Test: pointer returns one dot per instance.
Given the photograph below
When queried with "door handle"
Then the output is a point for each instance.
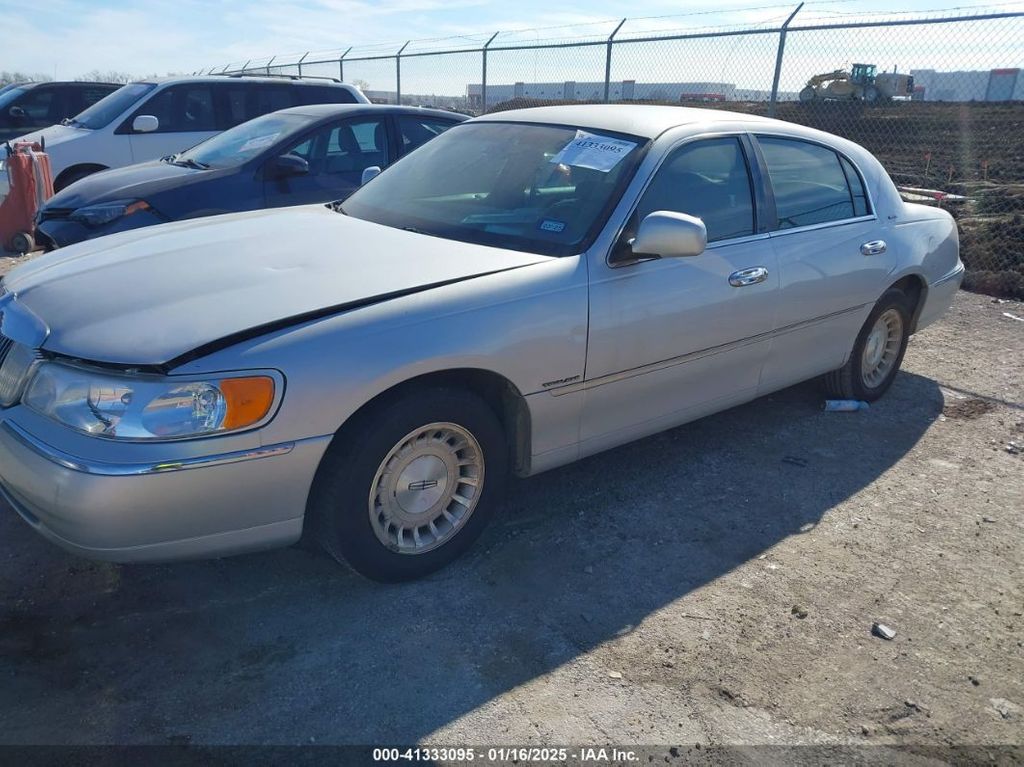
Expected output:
(751, 276)
(873, 248)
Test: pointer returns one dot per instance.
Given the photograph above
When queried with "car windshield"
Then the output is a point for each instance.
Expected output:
(100, 114)
(536, 188)
(240, 144)
(9, 95)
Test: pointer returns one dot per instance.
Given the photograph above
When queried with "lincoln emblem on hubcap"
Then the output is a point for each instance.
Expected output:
(426, 488)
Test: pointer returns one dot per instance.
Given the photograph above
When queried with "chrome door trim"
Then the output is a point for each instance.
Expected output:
(102, 469)
(823, 225)
(558, 391)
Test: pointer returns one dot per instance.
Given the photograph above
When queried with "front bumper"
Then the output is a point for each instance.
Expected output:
(202, 506)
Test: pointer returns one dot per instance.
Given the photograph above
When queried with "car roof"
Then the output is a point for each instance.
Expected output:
(645, 120)
(245, 79)
(76, 82)
(330, 110)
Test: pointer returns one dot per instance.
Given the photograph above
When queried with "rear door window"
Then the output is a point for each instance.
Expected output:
(810, 183)
(270, 98)
(419, 130)
(235, 105)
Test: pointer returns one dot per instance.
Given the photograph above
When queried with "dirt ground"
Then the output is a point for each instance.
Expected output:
(716, 584)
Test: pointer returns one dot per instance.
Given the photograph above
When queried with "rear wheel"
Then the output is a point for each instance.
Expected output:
(877, 352)
(408, 486)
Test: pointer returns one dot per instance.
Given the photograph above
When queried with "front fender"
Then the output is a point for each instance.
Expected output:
(527, 325)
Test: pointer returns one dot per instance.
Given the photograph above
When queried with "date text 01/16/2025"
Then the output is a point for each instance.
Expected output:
(500, 754)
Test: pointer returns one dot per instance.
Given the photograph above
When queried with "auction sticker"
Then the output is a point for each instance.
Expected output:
(590, 150)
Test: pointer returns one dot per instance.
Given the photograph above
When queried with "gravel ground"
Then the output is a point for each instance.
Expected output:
(715, 584)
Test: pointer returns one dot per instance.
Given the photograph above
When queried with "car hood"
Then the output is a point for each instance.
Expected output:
(55, 135)
(153, 295)
(129, 183)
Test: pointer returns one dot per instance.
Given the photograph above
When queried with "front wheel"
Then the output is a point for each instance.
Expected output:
(877, 352)
(408, 486)
(22, 242)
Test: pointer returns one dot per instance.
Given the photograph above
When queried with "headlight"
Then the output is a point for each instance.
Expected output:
(148, 407)
(104, 213)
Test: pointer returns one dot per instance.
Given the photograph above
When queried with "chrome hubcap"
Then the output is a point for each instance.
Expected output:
(881, 348)
(426, 488)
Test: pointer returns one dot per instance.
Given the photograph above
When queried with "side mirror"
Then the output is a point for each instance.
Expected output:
(145, 124)
(17, 113)
(287, 165)
(369, 174)
(669, 234)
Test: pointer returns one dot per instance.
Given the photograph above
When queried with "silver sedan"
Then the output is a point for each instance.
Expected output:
(527, 289)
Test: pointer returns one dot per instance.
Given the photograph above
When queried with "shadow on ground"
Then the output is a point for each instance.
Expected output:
(285, 646)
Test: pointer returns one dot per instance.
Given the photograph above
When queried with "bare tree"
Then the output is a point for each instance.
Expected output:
(111, 76)
(21, 77)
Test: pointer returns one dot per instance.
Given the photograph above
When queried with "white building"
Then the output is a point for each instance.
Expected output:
(985, 85)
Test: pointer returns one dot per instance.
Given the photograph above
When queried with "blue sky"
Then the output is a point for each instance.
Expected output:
(65, 38)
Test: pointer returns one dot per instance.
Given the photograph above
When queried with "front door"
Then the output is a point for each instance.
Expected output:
(672, 339)
(186, 115)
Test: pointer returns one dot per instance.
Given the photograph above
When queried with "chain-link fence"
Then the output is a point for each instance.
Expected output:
(938, 98)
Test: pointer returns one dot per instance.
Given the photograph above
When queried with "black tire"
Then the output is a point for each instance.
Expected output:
(848, 381)
(68, 177)
(22, 242)
(338, 511)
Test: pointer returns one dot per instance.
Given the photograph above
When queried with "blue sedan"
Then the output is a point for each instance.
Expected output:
(290, 157)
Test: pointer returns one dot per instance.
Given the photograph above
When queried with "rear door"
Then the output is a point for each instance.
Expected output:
(337, 154)
(187, 115)
(832, 257)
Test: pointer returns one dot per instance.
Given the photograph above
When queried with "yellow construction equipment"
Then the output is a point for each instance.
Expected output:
(859, 84)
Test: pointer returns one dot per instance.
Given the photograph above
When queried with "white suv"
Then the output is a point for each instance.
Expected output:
(154, 118)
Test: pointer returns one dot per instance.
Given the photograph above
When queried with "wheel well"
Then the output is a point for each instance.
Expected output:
(62, 179)
(498, 392)
(915, 289)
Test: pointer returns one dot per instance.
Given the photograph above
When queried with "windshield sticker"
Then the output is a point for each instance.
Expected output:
(259, 142)
(551, 225)
(589, 150)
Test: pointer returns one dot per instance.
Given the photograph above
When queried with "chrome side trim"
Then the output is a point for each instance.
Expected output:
(776, 233)
(101, 469)
(699, 354)
(958, 270)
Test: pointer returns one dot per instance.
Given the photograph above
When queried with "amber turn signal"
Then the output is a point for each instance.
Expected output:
(248, 400)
